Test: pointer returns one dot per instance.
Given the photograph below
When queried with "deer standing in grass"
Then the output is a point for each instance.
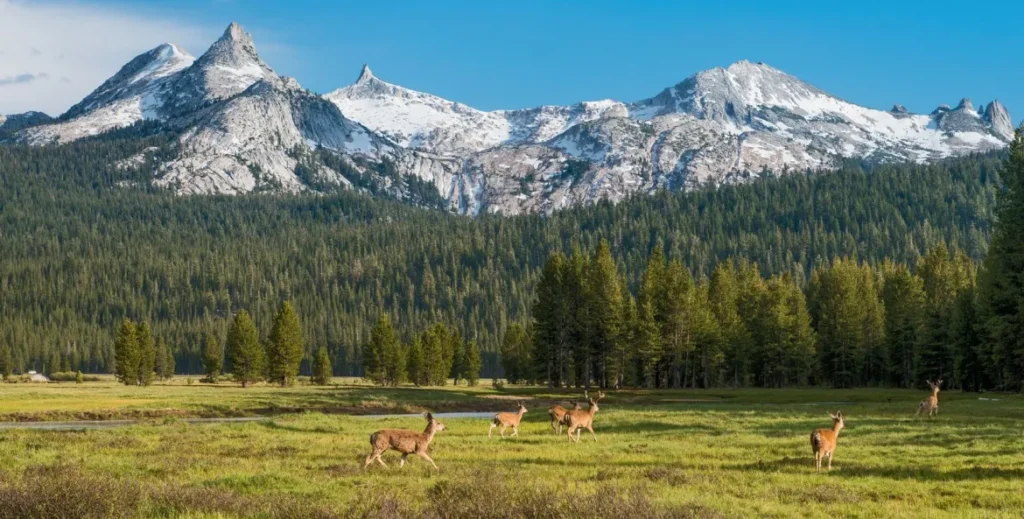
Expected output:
(406, 442)
(506, 420)
(930, 405)
(823, 441)
(577, 420)
(557, 414)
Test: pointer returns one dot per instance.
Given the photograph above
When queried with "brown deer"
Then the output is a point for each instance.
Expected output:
(930, 405)
(406, 442)
(823, 441)
(557, 414)
(578, 419)
(506, 420)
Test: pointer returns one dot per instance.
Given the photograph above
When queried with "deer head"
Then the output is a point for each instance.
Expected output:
(935, 386)
(837, 420)
(432, 424)
(522, 407)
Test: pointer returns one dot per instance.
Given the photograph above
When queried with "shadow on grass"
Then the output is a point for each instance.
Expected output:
(851, 469)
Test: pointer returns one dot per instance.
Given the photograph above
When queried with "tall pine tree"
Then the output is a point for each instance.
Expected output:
(244, 350)
(126, 354)
(285, 348)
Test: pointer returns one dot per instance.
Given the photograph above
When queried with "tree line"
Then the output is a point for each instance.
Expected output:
(850, 324)
(429, 359)
(87, 243)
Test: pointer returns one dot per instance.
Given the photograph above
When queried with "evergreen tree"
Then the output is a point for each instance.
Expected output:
(53, 365)
(6, 362)
(1002, 287)
(244, 350)
(213, 357)
(147, 354)
(384, 363)
(458, 370)
(551, 348)
(126, 354)
(473, 363)
(285, 348)
(169, 363)
(710, 356)
(515, 355)
(161, 359)
(944, 279)
(840, 314)
(647, 330)
(321, 368)
(603, 316)
(723, 298)
(903, 297)
(415, 364)
(966, 336)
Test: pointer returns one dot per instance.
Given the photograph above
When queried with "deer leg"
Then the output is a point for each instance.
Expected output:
(381, 461)
(515, 430)
(503, 427)
(817, 461)
(591, 429)
(830, 462)
(579, 430)
(402, 462)
(426, 457)
(918, 410)
(490, 430)
(568, 431)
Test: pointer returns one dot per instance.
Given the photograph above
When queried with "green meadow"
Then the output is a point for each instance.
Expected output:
(691, 453)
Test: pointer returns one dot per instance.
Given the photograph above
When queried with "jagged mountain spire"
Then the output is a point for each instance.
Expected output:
(365, 74)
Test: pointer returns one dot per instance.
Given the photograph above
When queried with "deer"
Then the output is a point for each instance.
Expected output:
(406, 442)
(823, 441)
(579, 419)
(930, 405)
(506, 420)
(557, 414)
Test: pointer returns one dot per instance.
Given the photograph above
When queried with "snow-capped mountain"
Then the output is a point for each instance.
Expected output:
(135, 93)
(240, 127)
(719, 125)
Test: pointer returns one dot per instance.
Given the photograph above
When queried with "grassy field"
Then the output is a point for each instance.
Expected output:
(710, 453)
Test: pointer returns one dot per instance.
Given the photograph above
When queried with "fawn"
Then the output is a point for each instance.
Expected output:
(823, 441)
(406, 442)
(578, 419)
(930, 405)
(506, 420)
(557, 414)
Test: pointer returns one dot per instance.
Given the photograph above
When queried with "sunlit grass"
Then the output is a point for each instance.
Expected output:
(732, 453)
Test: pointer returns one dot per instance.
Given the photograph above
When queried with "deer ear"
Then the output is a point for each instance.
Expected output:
(430, 417)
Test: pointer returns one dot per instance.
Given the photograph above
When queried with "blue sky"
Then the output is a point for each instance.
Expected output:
(527, 53)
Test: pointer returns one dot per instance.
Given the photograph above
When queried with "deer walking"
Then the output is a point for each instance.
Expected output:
(823, 441)
(577, 420)
(557, 414)
(506, 420)
(930, 405)
(404, 441)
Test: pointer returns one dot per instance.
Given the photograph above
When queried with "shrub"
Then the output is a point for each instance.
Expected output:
(73, 376)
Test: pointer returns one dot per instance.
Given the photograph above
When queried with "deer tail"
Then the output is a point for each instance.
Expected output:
(815, 441)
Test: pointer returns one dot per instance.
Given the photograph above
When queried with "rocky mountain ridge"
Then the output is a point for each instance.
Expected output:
(243, 128)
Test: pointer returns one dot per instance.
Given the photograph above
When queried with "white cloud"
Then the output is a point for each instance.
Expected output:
(53, 54)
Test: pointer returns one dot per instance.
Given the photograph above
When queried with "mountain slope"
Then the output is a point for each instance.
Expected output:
(135, 93)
